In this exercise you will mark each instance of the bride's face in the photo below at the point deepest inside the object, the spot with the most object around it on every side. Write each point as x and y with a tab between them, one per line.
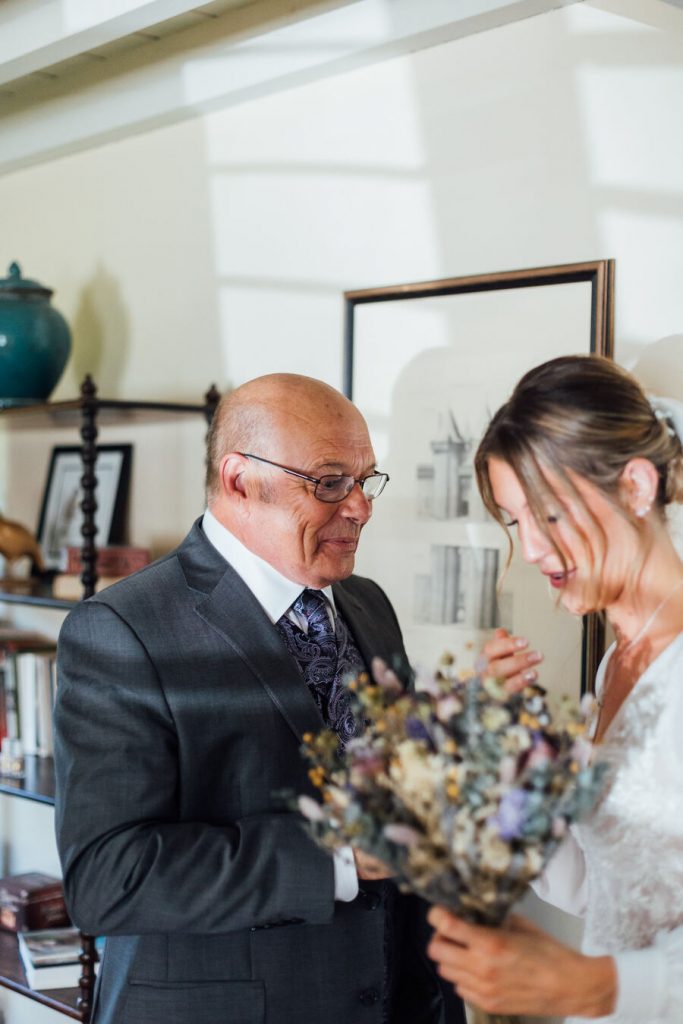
597	542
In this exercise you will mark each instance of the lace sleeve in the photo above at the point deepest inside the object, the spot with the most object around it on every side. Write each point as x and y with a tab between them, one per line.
563	883
651	981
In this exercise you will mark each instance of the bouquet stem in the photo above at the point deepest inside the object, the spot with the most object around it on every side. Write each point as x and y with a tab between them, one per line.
477	1016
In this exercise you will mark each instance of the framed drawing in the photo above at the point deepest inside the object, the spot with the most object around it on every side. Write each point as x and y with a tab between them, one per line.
428	364
61	516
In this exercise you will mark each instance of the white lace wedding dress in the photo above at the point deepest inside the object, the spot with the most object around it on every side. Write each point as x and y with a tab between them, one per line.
622	869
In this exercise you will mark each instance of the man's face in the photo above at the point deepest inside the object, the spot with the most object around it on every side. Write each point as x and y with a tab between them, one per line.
309	541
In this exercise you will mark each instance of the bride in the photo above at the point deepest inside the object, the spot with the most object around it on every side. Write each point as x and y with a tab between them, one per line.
581	466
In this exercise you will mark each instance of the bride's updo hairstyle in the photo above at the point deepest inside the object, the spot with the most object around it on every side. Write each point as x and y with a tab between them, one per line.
581	416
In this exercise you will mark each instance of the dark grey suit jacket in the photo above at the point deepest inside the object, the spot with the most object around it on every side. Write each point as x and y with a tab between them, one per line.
178	723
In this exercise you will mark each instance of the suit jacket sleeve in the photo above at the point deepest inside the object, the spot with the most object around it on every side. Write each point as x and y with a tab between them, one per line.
131	863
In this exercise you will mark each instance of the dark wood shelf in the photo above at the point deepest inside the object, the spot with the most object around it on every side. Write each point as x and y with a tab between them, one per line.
31	591
37	784
86	415
108	411
12	976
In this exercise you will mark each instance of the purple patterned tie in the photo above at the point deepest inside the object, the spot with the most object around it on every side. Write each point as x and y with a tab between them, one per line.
326	655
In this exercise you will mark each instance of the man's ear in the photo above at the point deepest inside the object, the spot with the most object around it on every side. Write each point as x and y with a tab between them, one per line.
638	484
233	468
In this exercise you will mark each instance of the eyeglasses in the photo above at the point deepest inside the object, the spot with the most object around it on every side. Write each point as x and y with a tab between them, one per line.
333	488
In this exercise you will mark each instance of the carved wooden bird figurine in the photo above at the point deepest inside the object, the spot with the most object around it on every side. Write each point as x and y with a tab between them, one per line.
16	541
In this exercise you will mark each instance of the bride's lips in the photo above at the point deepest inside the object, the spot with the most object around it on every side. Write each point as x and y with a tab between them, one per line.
559	579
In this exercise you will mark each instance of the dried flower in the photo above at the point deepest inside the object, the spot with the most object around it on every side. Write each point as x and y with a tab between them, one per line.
464	790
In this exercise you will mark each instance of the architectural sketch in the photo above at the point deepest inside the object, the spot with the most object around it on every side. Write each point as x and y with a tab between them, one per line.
460	587
445	485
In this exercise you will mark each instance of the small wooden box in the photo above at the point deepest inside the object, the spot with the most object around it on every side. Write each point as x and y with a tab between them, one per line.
32	901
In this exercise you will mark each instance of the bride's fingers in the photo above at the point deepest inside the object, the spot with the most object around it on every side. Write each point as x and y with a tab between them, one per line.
508	659
503	645
518	671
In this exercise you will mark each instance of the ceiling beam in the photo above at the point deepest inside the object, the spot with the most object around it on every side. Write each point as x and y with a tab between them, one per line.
34	36
246	52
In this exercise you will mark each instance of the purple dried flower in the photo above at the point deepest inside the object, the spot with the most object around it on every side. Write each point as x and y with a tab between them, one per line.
385	677
416	730
511	814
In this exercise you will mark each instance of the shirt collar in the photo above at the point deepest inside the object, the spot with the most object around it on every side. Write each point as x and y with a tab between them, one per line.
274	592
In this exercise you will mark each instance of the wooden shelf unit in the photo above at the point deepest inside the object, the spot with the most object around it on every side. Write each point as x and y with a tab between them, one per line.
38	782
86	414
12	976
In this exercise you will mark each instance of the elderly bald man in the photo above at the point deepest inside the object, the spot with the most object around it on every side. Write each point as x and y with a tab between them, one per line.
184	692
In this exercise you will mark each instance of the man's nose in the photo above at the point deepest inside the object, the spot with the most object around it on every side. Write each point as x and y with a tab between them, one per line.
356	506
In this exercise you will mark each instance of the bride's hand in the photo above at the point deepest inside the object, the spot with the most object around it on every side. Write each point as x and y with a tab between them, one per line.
508	658
519	969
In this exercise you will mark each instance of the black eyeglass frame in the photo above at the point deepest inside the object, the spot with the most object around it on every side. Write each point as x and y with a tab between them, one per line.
328	476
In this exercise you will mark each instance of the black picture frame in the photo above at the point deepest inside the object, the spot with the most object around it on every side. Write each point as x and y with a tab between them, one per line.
61	516
402	345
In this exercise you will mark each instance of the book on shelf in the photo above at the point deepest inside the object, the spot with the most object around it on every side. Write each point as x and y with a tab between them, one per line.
13	638
35	671
50	957
32	901
115	560
27	684
68	586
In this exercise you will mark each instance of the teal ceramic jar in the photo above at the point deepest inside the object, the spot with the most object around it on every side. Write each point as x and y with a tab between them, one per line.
34	341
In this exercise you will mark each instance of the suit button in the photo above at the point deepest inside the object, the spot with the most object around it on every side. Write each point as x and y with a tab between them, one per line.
370	900
369	997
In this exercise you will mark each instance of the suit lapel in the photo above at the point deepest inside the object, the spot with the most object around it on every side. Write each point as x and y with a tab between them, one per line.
230	608
355	616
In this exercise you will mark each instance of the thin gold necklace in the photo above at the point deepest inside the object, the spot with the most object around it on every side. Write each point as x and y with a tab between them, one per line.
640	634
643	629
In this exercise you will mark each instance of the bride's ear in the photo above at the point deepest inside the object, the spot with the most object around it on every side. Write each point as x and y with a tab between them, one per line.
638	486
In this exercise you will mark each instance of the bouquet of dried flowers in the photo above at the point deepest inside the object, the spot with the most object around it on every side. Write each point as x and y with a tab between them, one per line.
462	789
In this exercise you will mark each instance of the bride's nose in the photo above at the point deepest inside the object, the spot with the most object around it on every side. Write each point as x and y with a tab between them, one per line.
533	543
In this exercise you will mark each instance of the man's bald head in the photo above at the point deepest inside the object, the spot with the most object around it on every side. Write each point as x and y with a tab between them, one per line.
258	415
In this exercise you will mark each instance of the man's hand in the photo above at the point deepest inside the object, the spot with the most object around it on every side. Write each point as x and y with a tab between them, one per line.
369	868
508	658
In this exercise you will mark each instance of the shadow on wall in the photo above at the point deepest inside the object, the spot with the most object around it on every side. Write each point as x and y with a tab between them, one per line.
101	338
660	367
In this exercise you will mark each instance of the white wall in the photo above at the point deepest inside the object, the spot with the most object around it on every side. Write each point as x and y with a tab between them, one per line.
218	249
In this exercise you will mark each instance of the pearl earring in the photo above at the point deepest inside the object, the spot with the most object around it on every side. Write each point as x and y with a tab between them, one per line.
643	511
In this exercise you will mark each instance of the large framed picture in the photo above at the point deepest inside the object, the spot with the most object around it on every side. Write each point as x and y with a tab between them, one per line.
428	364
61	516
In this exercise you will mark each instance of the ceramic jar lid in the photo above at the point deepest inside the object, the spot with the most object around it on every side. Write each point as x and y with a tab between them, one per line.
16	286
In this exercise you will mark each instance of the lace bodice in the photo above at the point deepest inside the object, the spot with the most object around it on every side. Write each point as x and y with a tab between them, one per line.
633	848
633	843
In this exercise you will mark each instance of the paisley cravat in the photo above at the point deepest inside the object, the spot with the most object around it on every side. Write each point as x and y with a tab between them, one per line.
326	655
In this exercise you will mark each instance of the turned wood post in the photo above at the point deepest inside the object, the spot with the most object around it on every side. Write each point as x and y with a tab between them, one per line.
86	982
89	484
211	400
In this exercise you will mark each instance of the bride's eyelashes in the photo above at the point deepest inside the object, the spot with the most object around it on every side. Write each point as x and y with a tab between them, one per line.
551	518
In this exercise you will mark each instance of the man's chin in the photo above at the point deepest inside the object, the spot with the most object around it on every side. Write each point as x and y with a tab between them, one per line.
333	570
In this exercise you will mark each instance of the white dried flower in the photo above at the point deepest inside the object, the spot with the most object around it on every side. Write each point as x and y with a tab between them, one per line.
310	808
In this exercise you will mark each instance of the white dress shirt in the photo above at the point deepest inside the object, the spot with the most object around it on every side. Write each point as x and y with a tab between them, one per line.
276	595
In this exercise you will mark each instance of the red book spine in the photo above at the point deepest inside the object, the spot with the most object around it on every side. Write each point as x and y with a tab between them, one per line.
113	561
